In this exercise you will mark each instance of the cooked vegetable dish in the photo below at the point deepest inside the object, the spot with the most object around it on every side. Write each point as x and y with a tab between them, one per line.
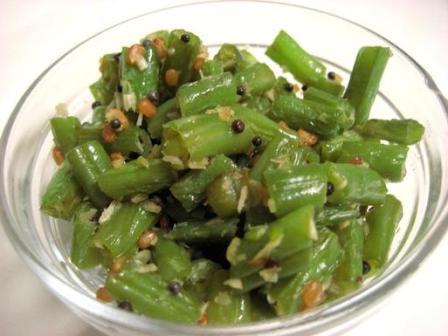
214	192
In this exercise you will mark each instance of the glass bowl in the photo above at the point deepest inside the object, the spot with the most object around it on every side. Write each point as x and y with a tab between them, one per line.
407	91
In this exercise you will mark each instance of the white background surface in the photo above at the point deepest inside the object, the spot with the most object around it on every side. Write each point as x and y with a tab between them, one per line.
35	33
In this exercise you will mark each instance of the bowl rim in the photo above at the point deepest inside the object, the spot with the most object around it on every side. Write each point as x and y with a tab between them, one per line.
317	319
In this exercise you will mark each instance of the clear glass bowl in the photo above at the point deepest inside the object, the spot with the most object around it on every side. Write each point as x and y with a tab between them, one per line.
407	91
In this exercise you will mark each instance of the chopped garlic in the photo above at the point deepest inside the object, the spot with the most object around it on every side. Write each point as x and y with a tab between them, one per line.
344	224
271	205
270	274
171	51
223	299
129	101
61	110
139	121
174	161
270	94
149	268
256	232
236	283
143	256
232	250
142	162
225	113
242	199
313	231
141	63
266	251
202	164
139	198
152	206
88	216
109	211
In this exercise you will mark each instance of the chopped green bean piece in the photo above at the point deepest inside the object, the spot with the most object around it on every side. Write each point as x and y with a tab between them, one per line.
65	132
88	161
194	98
213	231
383	221
402	131
120	231
63	194
82	254
144	176
150	295
172	260
365	79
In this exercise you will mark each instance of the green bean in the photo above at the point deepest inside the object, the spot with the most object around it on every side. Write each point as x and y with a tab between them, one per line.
402	131
138	80
183	55
88	161
247	59
65	132
326	256
383	221
330	150
121	230
163	115
256	79
280	239
229	56
194	98
355	184
225	192
387	160
351	238
63	194
290	55
103	90
139	176
304	67
132	140
320	96
82	254
212	68
190	190
213	231
292	188
149	294
172	260
365	79
313	94
282	153
196	137
224	305
314	117
331	215
331	86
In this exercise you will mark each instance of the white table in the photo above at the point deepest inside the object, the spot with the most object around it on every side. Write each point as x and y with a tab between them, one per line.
34	33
